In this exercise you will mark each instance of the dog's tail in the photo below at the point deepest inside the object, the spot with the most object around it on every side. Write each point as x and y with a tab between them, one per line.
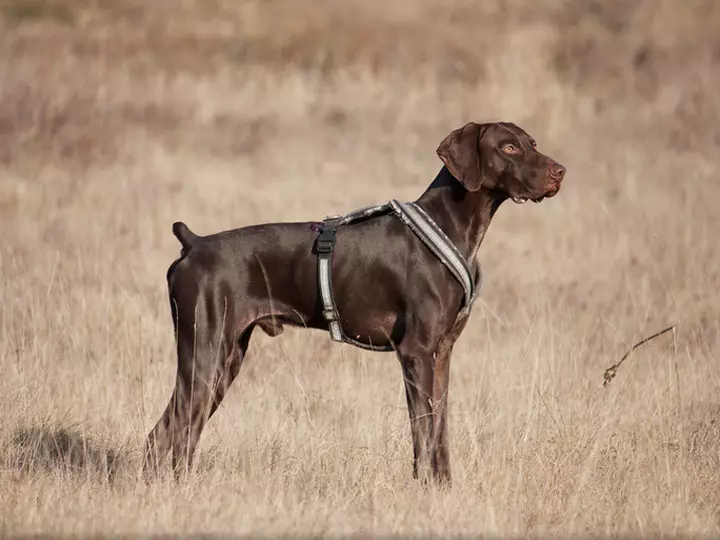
185	235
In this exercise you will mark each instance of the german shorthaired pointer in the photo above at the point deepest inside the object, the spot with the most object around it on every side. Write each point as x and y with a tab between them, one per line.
390	290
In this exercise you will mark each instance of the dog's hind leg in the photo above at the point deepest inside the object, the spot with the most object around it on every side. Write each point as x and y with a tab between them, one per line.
210	353
227	372
180	426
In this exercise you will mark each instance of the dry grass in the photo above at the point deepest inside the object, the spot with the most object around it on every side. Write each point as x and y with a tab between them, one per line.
117	118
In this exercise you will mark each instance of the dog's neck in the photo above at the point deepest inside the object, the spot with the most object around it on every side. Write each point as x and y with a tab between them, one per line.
463	215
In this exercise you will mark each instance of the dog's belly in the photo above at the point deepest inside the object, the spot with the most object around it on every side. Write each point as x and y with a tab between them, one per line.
374	329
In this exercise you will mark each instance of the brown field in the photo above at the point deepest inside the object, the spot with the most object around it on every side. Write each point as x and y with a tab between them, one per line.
118	117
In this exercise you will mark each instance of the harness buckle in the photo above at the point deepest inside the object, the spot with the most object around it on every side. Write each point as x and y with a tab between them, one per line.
325	242
325	245
330	315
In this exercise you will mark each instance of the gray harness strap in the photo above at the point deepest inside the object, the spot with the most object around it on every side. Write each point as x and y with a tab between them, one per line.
437	241
426	230
324	246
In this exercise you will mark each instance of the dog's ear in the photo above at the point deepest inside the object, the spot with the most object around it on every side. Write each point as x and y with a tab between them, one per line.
460	152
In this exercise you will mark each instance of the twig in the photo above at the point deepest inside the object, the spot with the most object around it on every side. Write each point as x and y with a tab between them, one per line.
612	370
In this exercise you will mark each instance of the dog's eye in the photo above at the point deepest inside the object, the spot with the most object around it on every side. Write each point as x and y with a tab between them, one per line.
510	149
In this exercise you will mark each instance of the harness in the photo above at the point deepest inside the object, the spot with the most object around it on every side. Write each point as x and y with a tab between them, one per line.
424	228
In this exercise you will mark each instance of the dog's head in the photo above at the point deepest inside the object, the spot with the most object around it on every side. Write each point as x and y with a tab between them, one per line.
502	158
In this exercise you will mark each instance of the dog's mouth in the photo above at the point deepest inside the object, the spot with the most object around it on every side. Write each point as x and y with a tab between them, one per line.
547	195
523	200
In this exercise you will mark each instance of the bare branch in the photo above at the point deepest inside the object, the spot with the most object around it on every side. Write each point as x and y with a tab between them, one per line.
612	370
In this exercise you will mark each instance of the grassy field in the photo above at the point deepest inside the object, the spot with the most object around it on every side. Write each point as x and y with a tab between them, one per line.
118	117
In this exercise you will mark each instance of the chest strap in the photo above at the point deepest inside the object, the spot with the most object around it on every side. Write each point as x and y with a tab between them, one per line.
437	241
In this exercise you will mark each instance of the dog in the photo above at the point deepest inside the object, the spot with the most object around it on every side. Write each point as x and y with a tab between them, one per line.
390	290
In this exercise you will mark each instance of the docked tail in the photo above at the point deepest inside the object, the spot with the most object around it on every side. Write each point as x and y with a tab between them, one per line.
185	235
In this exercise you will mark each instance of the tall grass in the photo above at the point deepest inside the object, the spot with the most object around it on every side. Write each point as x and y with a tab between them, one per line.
118	118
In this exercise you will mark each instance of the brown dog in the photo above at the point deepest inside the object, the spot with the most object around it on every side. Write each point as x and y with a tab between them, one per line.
389	289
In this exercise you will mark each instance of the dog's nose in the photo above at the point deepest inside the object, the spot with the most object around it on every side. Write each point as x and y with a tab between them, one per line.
557	171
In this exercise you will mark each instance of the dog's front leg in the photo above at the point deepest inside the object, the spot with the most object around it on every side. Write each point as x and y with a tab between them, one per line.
418	378
439	440
440	444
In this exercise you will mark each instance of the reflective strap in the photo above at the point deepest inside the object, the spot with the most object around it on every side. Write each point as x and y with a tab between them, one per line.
438	242
329	310
325	244
364	213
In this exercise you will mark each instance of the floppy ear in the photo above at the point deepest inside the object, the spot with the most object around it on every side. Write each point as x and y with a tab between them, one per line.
460	152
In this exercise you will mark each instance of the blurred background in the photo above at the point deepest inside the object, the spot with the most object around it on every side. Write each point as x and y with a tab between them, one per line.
118	117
